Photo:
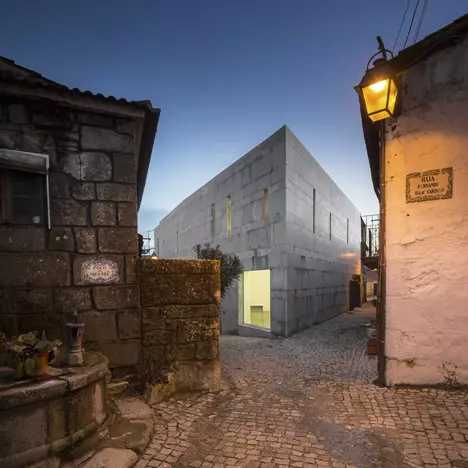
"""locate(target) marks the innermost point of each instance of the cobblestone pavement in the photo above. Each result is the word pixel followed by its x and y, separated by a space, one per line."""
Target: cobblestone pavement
pixel 309 401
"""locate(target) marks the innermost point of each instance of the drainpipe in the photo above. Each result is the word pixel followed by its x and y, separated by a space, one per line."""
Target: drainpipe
pixel 382 299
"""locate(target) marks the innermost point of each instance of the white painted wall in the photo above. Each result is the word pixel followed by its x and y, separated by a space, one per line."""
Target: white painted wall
pixel 427 242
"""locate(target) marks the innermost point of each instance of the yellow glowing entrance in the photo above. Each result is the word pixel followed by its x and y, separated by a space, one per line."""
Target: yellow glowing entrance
pixel 254 298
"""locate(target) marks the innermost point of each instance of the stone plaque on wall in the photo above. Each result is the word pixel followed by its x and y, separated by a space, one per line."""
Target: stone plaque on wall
pixel 100 270
pixel 429 185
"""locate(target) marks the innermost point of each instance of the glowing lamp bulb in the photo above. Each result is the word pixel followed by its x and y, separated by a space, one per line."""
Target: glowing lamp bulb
pixel 379 86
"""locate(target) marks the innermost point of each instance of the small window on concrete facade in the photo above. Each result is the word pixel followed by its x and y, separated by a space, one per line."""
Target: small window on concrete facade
pixel 228 216
pixel 254 298
pixel 213 219
pixel 265 206
pixel 313 211
pixel 330 226
pixel 23 188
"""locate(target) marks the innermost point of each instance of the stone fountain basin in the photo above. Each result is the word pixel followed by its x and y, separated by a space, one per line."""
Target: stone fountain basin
pixel 45 416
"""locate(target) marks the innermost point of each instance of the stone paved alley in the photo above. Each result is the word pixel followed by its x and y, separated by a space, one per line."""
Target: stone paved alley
pixel 309 401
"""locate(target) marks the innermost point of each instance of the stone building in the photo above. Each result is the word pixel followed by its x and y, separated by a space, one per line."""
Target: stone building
pixel 73 168
pixel 296 233
pixel 423 190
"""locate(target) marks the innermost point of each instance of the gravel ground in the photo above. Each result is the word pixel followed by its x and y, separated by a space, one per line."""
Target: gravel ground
pixel 309 401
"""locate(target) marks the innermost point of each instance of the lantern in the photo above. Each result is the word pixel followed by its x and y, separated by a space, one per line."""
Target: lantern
pixel 378 89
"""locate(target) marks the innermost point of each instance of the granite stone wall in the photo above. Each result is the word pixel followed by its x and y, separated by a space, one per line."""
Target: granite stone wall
pixel 93 206
pixel 180 322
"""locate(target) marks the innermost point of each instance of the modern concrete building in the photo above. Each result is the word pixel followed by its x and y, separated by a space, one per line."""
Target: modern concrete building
pixel 295 231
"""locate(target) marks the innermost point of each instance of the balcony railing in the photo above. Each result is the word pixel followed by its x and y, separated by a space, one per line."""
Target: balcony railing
pixel 370 225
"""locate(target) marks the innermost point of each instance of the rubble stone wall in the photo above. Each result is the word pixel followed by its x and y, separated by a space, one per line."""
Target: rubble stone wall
pixel 180 321
pixel 93 203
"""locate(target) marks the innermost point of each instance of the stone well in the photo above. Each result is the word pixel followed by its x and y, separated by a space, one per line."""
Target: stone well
pixel 44 417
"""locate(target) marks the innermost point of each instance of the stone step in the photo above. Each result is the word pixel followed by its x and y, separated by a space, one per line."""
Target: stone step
pixel 133 408
pixel 134 435
pixel 112 458
pixel 116 387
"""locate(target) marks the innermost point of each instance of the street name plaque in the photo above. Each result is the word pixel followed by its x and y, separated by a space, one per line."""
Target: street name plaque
pixel 435 184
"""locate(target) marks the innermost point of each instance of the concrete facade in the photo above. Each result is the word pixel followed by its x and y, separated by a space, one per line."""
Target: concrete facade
pixel 310 266
pixel 427 242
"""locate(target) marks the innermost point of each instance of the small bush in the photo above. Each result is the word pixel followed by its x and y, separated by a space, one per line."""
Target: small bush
pixel 231 266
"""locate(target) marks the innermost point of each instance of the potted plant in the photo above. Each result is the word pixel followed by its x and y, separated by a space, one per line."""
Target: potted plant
pixel 28 354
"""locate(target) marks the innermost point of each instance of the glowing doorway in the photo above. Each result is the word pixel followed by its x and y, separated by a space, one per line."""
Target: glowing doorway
pixel 254 298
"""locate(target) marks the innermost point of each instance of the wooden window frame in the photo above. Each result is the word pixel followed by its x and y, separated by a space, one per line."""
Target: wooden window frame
pixel 11 160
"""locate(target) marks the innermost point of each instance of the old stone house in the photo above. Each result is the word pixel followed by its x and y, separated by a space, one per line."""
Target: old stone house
pixel 419 163
pixel 73 167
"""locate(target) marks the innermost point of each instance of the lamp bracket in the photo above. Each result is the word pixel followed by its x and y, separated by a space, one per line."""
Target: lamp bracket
pixel 382 50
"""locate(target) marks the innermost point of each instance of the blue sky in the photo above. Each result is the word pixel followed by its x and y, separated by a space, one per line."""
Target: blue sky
pixel 226 74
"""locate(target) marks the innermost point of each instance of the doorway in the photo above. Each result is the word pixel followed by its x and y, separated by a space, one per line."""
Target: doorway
pixel 255 298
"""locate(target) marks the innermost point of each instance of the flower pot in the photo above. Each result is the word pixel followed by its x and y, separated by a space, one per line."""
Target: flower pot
pixel 43 364
pixel 372 348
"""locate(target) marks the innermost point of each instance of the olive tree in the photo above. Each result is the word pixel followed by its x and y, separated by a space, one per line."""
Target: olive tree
pixel 231 266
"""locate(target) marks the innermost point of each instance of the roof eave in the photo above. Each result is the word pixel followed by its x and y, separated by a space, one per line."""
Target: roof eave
pixel 142 111
pixel 148 136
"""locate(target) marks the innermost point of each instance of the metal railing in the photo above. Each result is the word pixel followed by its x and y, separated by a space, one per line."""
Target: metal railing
pixel 370 225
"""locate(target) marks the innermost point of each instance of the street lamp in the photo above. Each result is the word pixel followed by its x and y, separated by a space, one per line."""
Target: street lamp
pixel 378 89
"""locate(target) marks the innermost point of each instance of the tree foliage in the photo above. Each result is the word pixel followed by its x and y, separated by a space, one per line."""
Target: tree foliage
pixel 231 266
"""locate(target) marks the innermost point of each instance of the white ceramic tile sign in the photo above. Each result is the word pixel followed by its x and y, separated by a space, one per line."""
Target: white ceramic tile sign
pixel 429 185
pixel 100 271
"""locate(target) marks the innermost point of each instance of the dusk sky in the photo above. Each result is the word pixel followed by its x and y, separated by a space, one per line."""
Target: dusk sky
pixel 225 73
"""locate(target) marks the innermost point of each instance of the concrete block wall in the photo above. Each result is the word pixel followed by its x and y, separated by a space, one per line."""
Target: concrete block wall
pixel 93 201
pixel 259 245
pixel 319 265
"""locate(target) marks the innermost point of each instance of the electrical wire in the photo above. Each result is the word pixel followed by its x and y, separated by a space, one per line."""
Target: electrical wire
pixel 411 24
pixel 421 20
pixel 401 25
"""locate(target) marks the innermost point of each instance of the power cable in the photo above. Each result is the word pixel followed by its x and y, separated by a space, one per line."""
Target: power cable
pixel 411 24
pixel 401 25
pixel 421 20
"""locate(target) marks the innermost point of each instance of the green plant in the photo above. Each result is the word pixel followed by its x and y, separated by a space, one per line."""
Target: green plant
pixel 231 266
pixel 356 279
pixel 22 353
